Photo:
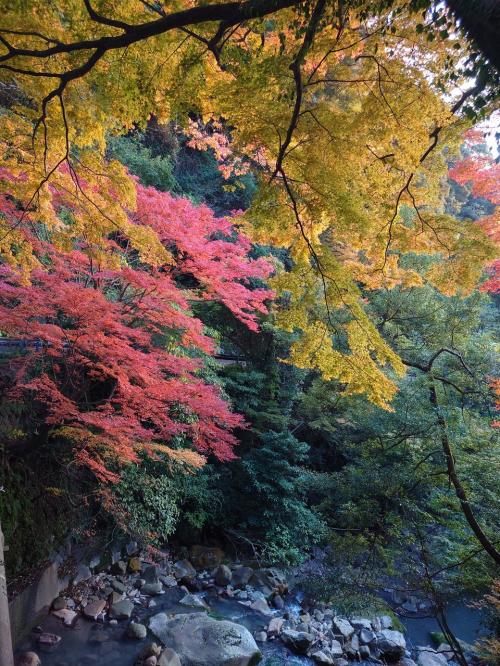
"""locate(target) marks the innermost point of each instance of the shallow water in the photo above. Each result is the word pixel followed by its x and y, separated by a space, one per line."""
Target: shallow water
pixel 465 623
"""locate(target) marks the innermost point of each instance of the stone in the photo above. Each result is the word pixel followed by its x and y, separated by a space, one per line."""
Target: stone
pixel 260 636
pixel 275 626
pixel 193 601
pixel 206 557
pixel 122 610
pixel 118 586
pixel 361 623
pixel 152 589
pixel 241 577
pixel 183 569
pixel 336 649
pixel 169 658
pixel 322 658
pixel 27 659
pixel 137 631
pixel 150 661
pixel 66 615
pixel 364 652
pixel 261 606
pixel 377 625
pixel 406 661
pixel 278 602
pixel 340 662
pixel 152 649
pixel 168 581
pixel 82 573
pixel 445 649
pixel 342 627
pixel 298 641
pixel 119 568
pixel 95 560
pixel 114 597
pixel 134 564
pixel 268 581
pixel 59 603
pixel 150 574
pixel 392 644
pixel 94 609
pixel 366 636
pixel 200 640
pixel 386 621
pixel 223 575
pixel 132 548
pixel 429 657
pixel 47 640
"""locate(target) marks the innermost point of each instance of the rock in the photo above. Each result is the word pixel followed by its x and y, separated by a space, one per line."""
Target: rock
pixel 446 650
pixel 261 606
pixel 47 640
pixel 94 609
pixel 118 586
pixel 406 661
pixel 169 658
pixel 95 560
pixel 336 649
pixel 122 610
pixel 134 564
pixel 82 573
pixel 361 623
pixel 268 581
pixel 27 659
pixel 392 644
pixel 297 641
pixel 340 662
pixel 342 627
pixel 114 598
pixel 66 615
pixel 193 601
pixel 119 568
pixel 152 649
pixel 150 574
pixel 386 621
pixel 206 557
pixel 223 575
pixel 200 640
pixel 183 569
pixel 429 657
pixel 366 636
pixel 260 636
pixel 152 589
pixel 364 652
pixel 136 630
pixel 132 548
pixel 322 658
pixel 168 581
pixel 58 604
pixel 275 626
pixel 278 602
pixel 150 661
pixel 377 625
pixel 241 577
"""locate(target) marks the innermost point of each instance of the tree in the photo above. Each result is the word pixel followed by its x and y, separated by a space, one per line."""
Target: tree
pixel 113 353
pixel 323 102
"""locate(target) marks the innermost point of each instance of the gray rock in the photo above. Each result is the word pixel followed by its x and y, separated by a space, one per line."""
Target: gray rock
pixel 366 636
pixel 392 644
pixel 132 548
pixel 168 581
pixel 47 640
pixel 322 658
pixel 82 573
pixel 193 601
pixel 118 586
pixel 261 606
pixel 446 650
pixel 241 577
pixel 66 615
pixel 119 568
pixel 169 658
pixel 364 652
pixel 200 640
pixel 59 603
pixel 151 661
pixel 137 631
pixel 342 627
pixel 336 649
pixel 361 623
pixel 279 603
pixel 386 621
pixel 150 574
pixel 341 662
pixel 94 609
pixel 223 575
pixel 260 636
pixel 275 626
pixel 114 597
pixel 429 657
pixel 95 560
pixel 183 569
pixel 152 589
pixel 122 610
pixel 297 641
pixel 406 661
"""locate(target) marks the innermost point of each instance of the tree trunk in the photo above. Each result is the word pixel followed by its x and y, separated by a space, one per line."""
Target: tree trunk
pixel 6 654
pixel 459 489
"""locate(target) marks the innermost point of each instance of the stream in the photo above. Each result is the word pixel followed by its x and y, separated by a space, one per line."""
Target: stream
pixel 88 643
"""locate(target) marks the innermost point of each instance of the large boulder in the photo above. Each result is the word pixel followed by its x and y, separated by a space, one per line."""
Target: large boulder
pixel 392 644
pixel 342 627
pixel 269 580
pixel 429 657
pixel 223 575
pixel 241 577
pixel 298 641
pixel 199 640
pixel 206 557
pixel 183 569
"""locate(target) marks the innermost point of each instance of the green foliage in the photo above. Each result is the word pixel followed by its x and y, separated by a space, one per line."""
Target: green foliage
pixel 153 171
